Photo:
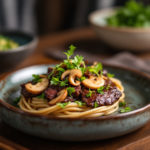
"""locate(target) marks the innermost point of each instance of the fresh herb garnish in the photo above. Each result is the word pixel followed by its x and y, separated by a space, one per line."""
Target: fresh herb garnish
pixel 36 78
pixel 122 104
pixel 100 90
pixel 89 94
pixel 96 104
pixel 82 78
pixel 70 52
pixel 80 104
pixel 110 75
pixel 70 90
pixel 64 83
pixel 107 87
pixel 126 109
pixel 96 69
pixel 16 100
pixel 62 105
pixel 42 96
pixel 54 81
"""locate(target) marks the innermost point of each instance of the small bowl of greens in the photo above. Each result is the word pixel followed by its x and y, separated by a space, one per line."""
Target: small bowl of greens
pixel 15 46
pixel 126 27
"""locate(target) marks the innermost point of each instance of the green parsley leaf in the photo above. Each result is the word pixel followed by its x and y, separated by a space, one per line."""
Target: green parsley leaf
pixel 16 100
pixel 126 109
pixel 70 90
pixel 62 105
pixel 64 83
pixel 100 90
pixel 70 51
pixel 96 104
pixel 89 94
pixel 77 61
pixel 60 69
pixel 82 78
pixel 110 75
pixel 42 96
pixel 54 81
pixel 80 104
pixel 122 104
pixel 96 69
pixel 36 78
pixel 107 87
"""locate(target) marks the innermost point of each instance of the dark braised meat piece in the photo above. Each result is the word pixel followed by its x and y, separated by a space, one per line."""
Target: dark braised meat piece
pixel 77 91
pixel 107 98
pixel 88 100
pixel 50 69
pixel 69 99
pixel 50 93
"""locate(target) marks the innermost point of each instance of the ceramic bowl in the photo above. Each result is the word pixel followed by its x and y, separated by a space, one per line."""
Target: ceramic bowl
pixel 137 91
pixel 11 58
pixel 122 38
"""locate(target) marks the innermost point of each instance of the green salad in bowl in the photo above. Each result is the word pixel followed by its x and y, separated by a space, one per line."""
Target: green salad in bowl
pixel 132 14
pixel 7 44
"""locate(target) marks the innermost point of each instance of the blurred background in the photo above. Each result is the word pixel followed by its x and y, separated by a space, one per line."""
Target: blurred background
pixel 49 16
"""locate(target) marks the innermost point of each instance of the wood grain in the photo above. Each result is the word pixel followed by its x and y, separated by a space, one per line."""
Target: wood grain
pixel 80 37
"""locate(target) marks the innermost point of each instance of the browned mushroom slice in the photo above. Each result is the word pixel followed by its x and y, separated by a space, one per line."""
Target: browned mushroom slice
pixel 38 87
pixel 72 75
pixel 60 97
pixel 93 82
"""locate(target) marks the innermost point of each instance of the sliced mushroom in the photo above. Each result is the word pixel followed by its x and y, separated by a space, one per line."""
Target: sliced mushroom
pixel 38 87
pixel 60 97
pixel 72 75
pixel 93 82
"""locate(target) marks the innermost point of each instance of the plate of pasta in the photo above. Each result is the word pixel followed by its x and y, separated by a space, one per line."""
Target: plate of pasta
pixel 74 101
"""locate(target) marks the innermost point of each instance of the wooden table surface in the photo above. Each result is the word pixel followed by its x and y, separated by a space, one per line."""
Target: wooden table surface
pixel 14 139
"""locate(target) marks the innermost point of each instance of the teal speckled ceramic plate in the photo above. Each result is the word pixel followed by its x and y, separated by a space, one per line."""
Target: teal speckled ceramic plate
pixel 137 91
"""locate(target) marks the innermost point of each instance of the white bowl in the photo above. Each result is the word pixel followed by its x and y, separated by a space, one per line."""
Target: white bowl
pixel 123 38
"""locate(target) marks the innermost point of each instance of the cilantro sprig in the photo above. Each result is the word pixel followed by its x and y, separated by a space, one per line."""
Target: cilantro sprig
pixel 63 105
pixel 126 109
pixel 16 100
pixel 70 52
pixel 70 90
pixel 89 94
pixel 100 90
pixel 42 96
pixel 96 69
pixel 36 78
pixel 80 103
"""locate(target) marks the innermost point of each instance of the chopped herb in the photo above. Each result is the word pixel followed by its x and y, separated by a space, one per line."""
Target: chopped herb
pixel 77 61
pixel 61 70
pixel 42 96
pixel 100 90
pixel 96 104
pixel 82 78
pixel 122 104
pixel 62 105
pixel 96 69
pixel 110 75
pixel 126 109
pixel 70 51
pixel 70 90
pixel 107 87
pixel 16 100
pixel 54 81
pixel 64 83
pixel 36 78
pixel 89 94
pixel 80 104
